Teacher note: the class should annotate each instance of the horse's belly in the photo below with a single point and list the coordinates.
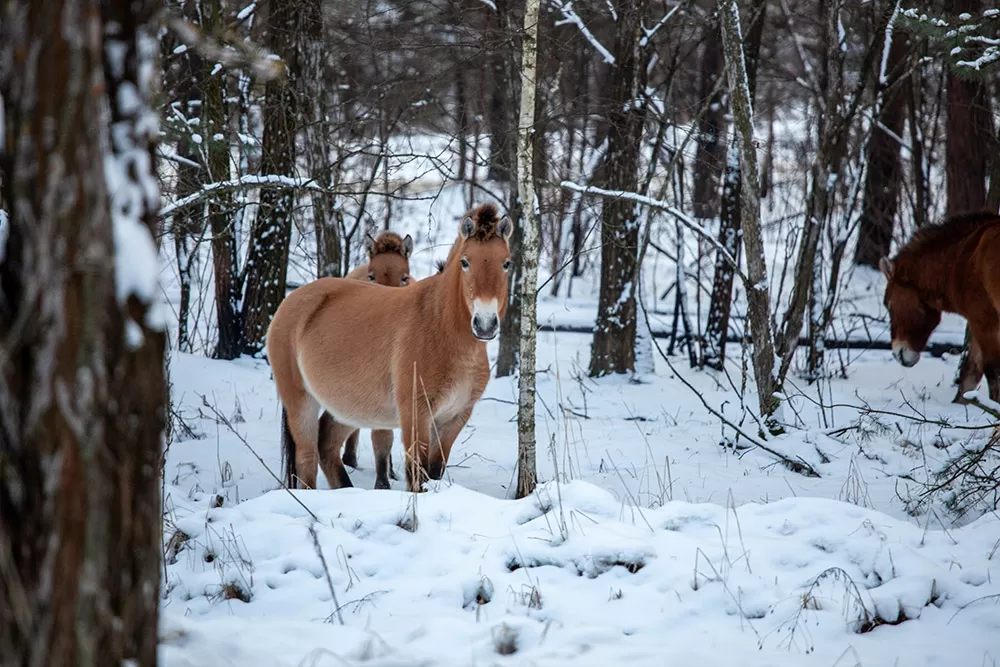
(364, 403)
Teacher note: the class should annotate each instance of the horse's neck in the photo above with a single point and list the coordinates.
(929, 270)
(450, 308)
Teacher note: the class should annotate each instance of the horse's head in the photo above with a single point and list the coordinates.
(911, 318)
(389, 259)
(484, 256)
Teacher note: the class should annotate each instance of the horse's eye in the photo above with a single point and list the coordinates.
(465, 264)
(371, 277)
(506, 265)
(404, 279)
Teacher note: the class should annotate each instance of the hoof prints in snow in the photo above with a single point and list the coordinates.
(804, 573)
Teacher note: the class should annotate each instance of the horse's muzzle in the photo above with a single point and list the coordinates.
(485, 326)
(905, 355)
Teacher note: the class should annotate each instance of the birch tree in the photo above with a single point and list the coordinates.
(758, 297)
(526, 476)
(82, 388)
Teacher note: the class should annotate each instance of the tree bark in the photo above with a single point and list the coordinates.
(884, 174)
(708, 163)
(267, 258)
(969, 137)
(613, 346)
(758, 297)
(82, 387)
(220, 208)
(713, 352)
(526, 475)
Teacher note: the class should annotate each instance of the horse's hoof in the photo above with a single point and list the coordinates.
(345, 480)
(381, 484)
(435, 470)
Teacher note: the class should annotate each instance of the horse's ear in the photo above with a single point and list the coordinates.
(886, 267)
(369, 244)
(505, 228)
(467, 227)
(407, 246)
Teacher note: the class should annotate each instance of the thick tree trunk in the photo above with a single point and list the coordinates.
(884, 174)
(220, 216)
(969, 138)
(711, 125)
(526, 475)
(613, 346)
(730, 236)
(510, 328)
(759, 301)
(267, 258)
(82, 384)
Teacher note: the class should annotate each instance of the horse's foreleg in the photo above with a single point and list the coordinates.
(350, 456)
(971, 372)
(382, 448)
(448, 433)
(331, 437)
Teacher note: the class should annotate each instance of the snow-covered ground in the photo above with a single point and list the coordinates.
(659, 536)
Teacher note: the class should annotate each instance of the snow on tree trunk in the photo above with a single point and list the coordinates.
(220, 207)
(503, 163)
(82, 387)
(526, 475)
(730, 235)
(267, 257)
(613, 346)
(758, 298)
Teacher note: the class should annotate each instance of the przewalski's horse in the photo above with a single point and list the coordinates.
(951, 267)
(389, 265)
(380, 358)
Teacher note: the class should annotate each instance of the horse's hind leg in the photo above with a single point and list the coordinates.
(971, 372)
(331, 436)
(302, 425)
(350, 455)
(382, 447)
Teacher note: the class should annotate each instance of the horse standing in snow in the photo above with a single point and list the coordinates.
(389, 265)
(381, 358)
(952, 267)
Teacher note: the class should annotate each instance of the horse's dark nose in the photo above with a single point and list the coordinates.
(485, 326)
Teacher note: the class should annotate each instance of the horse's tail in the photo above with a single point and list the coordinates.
(287, 451)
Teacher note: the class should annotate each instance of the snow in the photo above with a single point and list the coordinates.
(659, 535)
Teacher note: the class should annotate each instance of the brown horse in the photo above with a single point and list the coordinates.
(951, 267)
(380, 358)
(388, 264)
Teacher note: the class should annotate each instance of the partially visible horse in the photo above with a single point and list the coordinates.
(388, 264)
(381, 358)
(951, 267)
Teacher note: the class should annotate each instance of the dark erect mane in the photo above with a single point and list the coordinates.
(949, 230)
(485, 217)
(388, 242)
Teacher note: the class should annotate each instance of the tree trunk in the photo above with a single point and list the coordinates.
(82, 386)
(613, 346)
(759, 301)
(969, 137)
(220, 207)
(719, 308)
(510, 327)
(884, 174)
(711, 124)
(526, 475)
(267, 258)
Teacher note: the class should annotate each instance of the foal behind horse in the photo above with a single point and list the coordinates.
(389, 265)
(381, 358)
(951, 267)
